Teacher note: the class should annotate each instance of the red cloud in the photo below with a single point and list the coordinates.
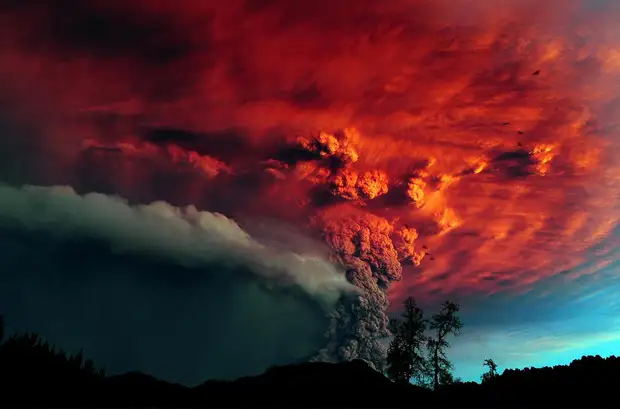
(483, 130)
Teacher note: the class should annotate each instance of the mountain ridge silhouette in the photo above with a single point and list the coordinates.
(34, 373)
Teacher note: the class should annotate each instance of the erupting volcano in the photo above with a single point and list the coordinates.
(440, 148)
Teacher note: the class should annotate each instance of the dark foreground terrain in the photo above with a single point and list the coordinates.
(32, 373)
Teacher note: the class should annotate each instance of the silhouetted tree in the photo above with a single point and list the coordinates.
(491, 373)
(444, 323)
(398, 364)
(406, 358)
(1, 327)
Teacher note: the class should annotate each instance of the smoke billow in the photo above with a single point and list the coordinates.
(363, 243)
(186, 236)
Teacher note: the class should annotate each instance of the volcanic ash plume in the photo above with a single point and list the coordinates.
(362, 242)
(183, 236)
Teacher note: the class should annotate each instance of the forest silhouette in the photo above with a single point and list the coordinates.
(35, 373)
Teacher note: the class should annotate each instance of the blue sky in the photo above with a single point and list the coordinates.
(553, 324)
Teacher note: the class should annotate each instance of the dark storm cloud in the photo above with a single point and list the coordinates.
(92, 27)
(514, 164)
(13, 167)
(228, 145)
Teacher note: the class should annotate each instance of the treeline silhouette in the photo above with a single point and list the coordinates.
(35, 374)
(590, 381)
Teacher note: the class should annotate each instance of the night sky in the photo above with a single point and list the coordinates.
(202, 189)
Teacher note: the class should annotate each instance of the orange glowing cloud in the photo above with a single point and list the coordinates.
(474, 143)
(208, 166)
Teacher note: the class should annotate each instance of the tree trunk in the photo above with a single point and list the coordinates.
(436, 367)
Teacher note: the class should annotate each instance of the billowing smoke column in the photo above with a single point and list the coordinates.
(362, 243)
(369, 246)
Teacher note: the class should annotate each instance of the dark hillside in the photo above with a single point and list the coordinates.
(33, 373)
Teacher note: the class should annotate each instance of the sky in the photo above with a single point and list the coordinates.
(183, 185)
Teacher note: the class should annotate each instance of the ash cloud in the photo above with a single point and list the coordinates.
(185, 236)
(363, 242)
